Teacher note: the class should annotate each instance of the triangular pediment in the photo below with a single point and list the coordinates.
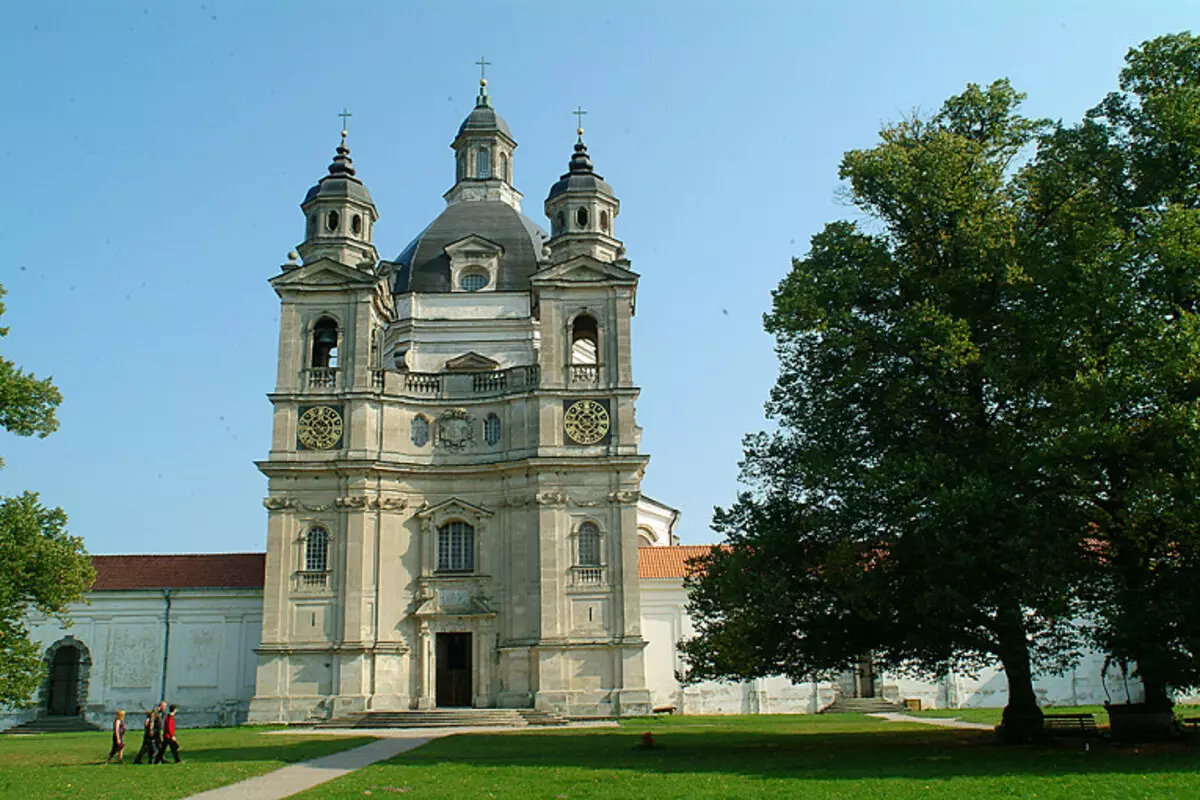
(454, 505)
(471, 362)
(585, 269)
(474, 245)
(324, 272)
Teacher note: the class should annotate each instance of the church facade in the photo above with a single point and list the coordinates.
(454, 474)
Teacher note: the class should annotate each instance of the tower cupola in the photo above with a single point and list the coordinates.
(483, 154)
(340, 216)
(582, 210)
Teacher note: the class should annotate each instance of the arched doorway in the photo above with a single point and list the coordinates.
(67, 666)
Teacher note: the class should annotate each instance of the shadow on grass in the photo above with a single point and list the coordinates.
(827, 754)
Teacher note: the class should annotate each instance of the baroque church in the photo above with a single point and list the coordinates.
(454, 474)
(454, 509)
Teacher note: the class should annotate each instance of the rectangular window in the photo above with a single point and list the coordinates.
(456, 547)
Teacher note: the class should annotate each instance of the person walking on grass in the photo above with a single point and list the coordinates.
(147, 740)
(118, 740)
(169, 739)
(156, 728)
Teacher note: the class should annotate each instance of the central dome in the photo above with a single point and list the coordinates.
(425, 267)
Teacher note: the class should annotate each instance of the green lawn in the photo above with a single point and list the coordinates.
(841, 756)
(70, 765)
(991, 716)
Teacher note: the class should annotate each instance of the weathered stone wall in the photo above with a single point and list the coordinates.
(209, 665)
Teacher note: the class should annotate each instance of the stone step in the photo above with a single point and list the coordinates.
(54, 725)
(434, 718)
(861, 705)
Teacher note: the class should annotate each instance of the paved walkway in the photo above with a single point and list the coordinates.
(940, 722)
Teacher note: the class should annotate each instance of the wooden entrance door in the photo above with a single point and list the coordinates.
(864, 678)
(453, 670)
(64, 683)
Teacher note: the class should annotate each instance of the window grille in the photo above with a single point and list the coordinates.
(491, 429)
(420, 431)
(483, 164)
(456, 547)
(473, 281)
(316, 551)
(589, 545)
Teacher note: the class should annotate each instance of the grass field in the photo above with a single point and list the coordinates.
(70, 765)
(802, 757)
(991, 716)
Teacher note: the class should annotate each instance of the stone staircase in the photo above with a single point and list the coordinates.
(861, 705)
(53, 725)
(446, 718)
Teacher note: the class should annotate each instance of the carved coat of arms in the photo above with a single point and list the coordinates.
(455, 429)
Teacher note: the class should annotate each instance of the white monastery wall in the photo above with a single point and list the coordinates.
(210, 659)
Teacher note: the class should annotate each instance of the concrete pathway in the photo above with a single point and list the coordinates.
(940, 722)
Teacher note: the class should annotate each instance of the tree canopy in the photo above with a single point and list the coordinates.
(954, 370)
(42, 566)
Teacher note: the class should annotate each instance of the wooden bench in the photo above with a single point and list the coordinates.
(663, 710)
(1192, 722)
(1070, 724)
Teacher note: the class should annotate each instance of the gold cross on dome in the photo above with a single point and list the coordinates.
(344, 115)
(580, 114)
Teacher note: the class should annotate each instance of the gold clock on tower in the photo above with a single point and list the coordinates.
(586, 421)
(319, 427)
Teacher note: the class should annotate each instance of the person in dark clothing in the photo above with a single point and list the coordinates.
(147, 740)
(169, 739)
(160, 711)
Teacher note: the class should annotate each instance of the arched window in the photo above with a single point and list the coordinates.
(560, 223)
(491, 429)
(460, 170)
(316, 551)
(456, 547)
(581, 217)
(311, 228)
(332, 220)
(584, 338)
(325, 344)
(483, 164)
(604, 221)
(356, 224)
(589, 545)
(504, 168)
(420, 431)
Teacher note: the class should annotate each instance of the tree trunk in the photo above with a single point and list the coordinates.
(1022, 718)
(1157, 695)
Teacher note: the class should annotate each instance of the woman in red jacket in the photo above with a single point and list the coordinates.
(169, 739)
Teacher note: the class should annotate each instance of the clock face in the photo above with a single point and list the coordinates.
(319, 428)
(586, 421)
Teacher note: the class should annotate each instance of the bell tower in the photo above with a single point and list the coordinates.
(340, 216)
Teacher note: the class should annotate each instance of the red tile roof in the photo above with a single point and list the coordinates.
(668, 562)
(206, 571)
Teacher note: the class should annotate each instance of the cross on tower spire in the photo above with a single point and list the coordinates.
(344, 115)
(483, 65)
(579, 114)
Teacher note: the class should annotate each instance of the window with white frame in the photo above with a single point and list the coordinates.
(316, 550)
(589, 545)
(456, 547)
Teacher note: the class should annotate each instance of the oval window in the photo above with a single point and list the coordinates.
(356, 224)
(581, 217)
(332, 221)
(604, 221)
(473, 281)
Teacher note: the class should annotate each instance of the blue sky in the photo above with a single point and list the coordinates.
(155, 155)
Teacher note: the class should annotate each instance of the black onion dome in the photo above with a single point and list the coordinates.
(341, 180)
(484, 118)
(579, 176)
(425, 267)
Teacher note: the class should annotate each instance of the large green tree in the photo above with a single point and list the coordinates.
(42, 566)
(907, 503)
(1114, 207)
